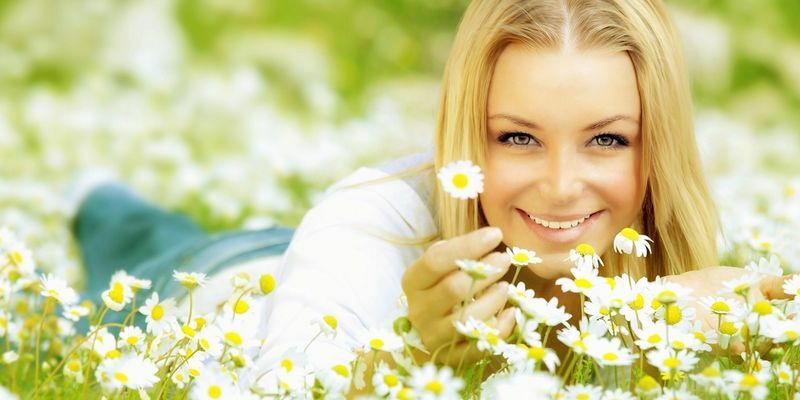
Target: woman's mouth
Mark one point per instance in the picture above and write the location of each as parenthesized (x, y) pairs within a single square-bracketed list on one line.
[(566, 229)]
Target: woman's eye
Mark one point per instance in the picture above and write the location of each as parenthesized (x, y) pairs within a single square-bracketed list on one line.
[(610, 140), (516, 139)]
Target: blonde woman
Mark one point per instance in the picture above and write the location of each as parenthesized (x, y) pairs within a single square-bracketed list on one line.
[(579, 114)]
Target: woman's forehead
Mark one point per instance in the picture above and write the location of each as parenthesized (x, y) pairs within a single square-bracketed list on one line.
[(563, 85)]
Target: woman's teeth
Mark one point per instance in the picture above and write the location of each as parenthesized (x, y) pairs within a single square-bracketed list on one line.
[(558, 225)]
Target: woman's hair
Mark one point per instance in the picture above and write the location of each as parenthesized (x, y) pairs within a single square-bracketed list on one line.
[(678, 212)]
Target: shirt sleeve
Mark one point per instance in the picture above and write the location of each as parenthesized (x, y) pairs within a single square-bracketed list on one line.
[(344, 262)]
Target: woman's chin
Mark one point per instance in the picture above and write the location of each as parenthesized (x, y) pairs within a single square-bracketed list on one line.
[(552, 270)]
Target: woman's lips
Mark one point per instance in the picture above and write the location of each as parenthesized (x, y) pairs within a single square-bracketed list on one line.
[(558, 235)]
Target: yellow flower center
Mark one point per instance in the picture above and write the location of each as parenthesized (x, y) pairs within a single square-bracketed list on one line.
[(194, 372), (434, 386), (199, 322), (711, 372), (791, 335), (460, 181), (241, 307), (667, 297), (584, 249), (727, 328), (749, 380), (204, 344), (187, 330), (583, 283), (583, 396), (536, 353), (214, 391), (783, 376), (720, 307), (405, 394), (762, 308), (157, 312), (637, 303), (234, 338), (113, 354), (674, 314), (700, 336), (376, 344), (672, 362), (341, 370), (521, 257), (610, 356), (116, 293), (266, 283), (630, 234), (331, 321), (741, 289), (611, 282), (121, 377), (74, 366), (654, 338), (287, 364), (678, 345), (132, 340), (579, 344), (390, 380), (647, 384), (15, 257)]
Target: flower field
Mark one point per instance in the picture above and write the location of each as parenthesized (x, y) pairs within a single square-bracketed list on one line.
[(240, 114)]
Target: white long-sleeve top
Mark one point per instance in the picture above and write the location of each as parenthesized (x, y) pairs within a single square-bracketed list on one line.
[(342, 262)]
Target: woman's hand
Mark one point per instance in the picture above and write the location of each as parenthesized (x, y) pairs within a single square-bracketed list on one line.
[(434, 285), (708, 282)]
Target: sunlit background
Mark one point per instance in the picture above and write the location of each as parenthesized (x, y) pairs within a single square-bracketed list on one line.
[(240, 112)]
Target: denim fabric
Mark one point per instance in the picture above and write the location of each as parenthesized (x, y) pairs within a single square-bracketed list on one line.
[(116, 230)]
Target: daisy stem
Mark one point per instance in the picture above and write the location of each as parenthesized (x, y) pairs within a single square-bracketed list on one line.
[(567, 360), (516, 275), (461, 361), (131, 314), (100, 316), (185, 360), (45, 309), (410, 353), (546, 336), (599, 373), (312, 340), (188, 320)]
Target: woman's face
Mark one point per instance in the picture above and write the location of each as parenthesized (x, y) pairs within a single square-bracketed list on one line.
[(563, 153)]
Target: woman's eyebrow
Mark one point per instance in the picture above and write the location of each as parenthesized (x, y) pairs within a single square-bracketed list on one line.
[(595, 125)]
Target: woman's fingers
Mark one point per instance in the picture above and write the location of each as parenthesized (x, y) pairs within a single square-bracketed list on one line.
[(439, 260), (772, 287), (483, 309), (455, 287)]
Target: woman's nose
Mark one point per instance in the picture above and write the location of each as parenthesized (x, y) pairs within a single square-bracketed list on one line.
[(562, 181)]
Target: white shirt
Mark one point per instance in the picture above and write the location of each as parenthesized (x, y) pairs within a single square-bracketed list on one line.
[(340, 263)]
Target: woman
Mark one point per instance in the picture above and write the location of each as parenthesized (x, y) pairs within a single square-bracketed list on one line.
[(579, 114)]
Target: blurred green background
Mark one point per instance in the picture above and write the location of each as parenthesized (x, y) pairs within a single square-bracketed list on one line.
[(240, 112)]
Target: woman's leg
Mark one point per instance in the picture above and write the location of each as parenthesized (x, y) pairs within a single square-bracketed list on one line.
[(116, 230)]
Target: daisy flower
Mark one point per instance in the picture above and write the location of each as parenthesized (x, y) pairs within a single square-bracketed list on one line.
[(327, 324), (10, 357), (521, 257), (386, 381), (190, 280), (131, 336), (629, 240), (336, 379), (770, 267), (792, 287), (754, 384), (710, 376), (432, 383), (118, 295), (57, 288), (75, 313), (584, 254), (618, 394), (669, 361), (461, 179), (786, 374), (477, 269), (647, 386), (214, 385), (129, 371), (782, 330), (741, 285), (131, 281), (585, 278), (583, 392), (518, 293), (575, 338), (380, 340), (536, 385), (237, 332), (720, 305), (74, 370), (545, 312), (609, 351), (526, 358), (159, 315)]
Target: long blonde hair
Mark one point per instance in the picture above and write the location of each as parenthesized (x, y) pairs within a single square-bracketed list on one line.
[(678, 212)]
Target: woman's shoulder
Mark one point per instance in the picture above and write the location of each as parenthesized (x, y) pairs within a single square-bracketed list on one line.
[(395, 194)]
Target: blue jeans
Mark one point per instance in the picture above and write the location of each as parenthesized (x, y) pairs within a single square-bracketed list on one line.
[(116, 230)]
